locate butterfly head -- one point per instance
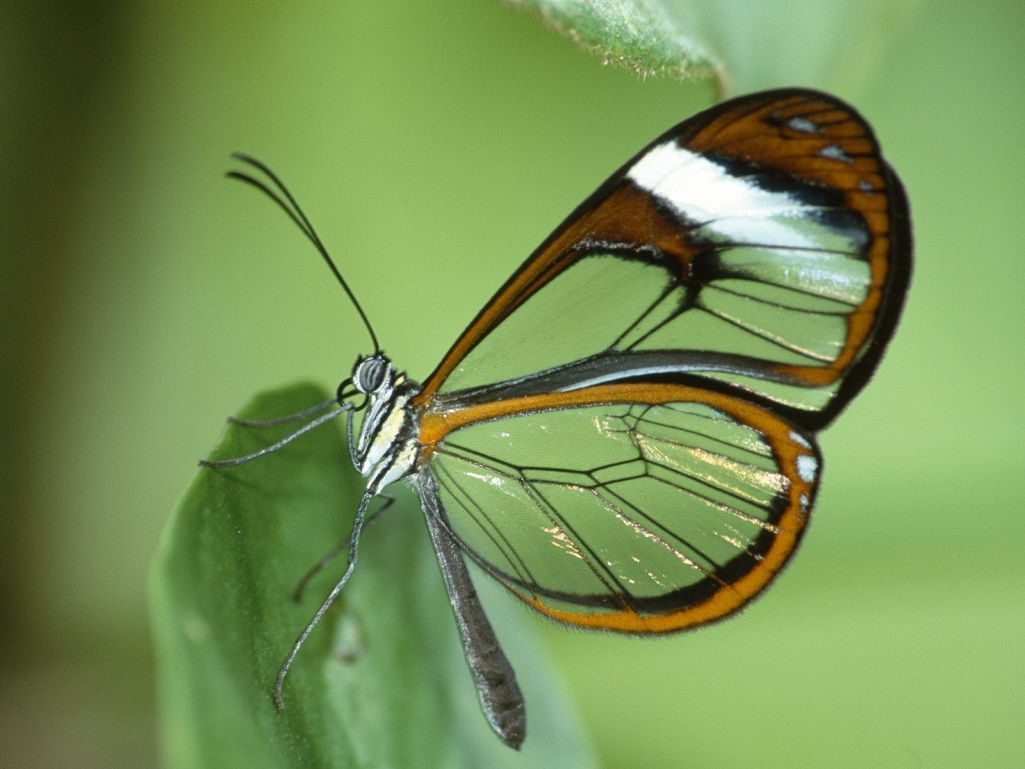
(372, 373)
(373, 377)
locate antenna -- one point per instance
(289, 205)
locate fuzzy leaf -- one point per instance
(638, 34)
(744, 45)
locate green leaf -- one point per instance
(745, 44)
(381, 682)
(638, 34)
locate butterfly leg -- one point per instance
(337, 550)
(357, 529)
(323, 418)
(297, 417)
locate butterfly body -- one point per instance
(624, 436)
(387, 449)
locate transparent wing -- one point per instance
(764, 243)
(639, 508)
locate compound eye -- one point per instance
(370, 374)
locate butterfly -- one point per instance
(624, 436)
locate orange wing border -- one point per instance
(795, 454)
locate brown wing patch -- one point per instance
(812, 137)
(625, 218)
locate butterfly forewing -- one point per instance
(639, 507)
(763, 244)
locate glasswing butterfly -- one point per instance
(624, 436)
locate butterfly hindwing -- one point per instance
(643, 507)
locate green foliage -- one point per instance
(638, 34)
(744, 44)
(380, 683)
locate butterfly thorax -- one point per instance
(387, 448)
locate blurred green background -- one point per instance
(434, 145)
